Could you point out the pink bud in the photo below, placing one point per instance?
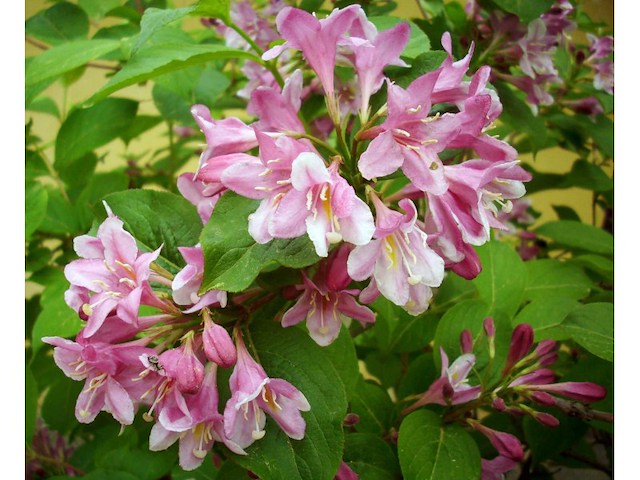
(351, 419)
(548, 359)
(545, 347)
(218, 346)
(543, 398)
(541, 376)
(547, 420)
(506, 444)
(499, 404)
(489, 327)
(345, 473)
(466, 341)
(183, 367)
(585, 392)
(334, 270)
(521, 342)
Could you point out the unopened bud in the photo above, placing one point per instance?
(543, 398)
(585, 392)
(506, 444)
(466, 341)
(218, 346)
(547, 420)
(499, 404)
(351, 419)
(521, 342)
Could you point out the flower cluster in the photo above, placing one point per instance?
(429, 139)
(306, 186)
(525, 377)
(166, 363)
(525, 55)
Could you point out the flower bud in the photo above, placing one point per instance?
(521, 342)
(466, 341)
(543, 398)
(345, 473)
(505, 443)
(489, 327)
(544, 347)
(547, 420)
(585, 392)
(218, 346)
(542, 376)
(182, 365)
(351, 419)
(499, 404)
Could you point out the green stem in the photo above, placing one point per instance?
(315, 140)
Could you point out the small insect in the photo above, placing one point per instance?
(154, 363)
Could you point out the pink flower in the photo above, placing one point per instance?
(453, 385)
(187, 282)
(322, 203)
(197, 424)
(317, 39)
(326, 303)
(204, 197)
(506, 444)
(218, 346)
(403, 266)
(267, 178)
(496, 468)
(277, 109)
(252, 394)
(345, 473)
(107, 371)
(114, 270)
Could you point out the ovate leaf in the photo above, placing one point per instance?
(370, 457)
(591, 326)
(503, 278)
(35, 208)
(60, 23)
(577, 235)
(87, 129)
(54, 62)
(555, 278)
(429, 450)
(525, 9)
(152, 61)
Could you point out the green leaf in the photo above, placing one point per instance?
(591, 326)
(154, 19)
(374, 407)
(35, 208)
(503, 278)
(206, 471)
(588, 176)
(453, 290)
(470, 315)
(595, 263)
(158, 218)
(153, 61)
(87, 129)
(142, 463)
(565, 213)
(399, 331)
(418, 40)
(602, 133)
(109, 474)
(311, 5)
(577, 235)
(555, 278)
(233, 259)
(420, 374)
(60, 59)
(140, 124)
(58, 407)
(430, 451)
(546, 315)
(544, 445)
(214, 8)
(290, 354)
(525, 9)
(31, 404)
(370, 457)
(342, 354)
(61, 216)
(60, 23)
(56, 318)
(88, 204)
(97, 9)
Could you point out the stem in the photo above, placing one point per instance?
(422, 10)
(36, 43)
(161, 271)
(58, 462)
(315, 140)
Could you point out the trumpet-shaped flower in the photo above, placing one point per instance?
(453, 385)
(323, 204)
(402, 264)
(326, 303)
(253, 394)
(114, 270)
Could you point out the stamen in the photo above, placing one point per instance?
(414, 109)
(265, 172)
(399, 131)
(126, 266)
